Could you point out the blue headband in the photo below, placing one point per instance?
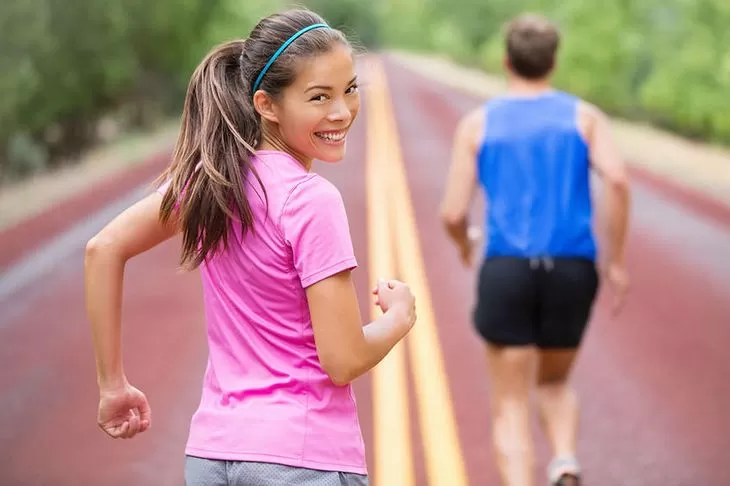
(281, 49)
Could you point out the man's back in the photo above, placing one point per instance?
(532, 151)
(533, 164)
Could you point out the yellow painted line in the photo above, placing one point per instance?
(393, 457)
(443, 456)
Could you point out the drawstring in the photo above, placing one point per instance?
(546, 261)
(549, 264)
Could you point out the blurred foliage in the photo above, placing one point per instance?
(662, 61)
(65, 65)
(356, 18)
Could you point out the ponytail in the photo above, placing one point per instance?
(211, 160)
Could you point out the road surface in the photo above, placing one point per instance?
(653, 382)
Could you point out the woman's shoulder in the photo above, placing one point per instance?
(315, 189)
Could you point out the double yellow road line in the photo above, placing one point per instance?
(395, 251)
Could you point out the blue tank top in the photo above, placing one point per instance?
(534, 168)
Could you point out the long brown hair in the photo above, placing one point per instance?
(220, 130)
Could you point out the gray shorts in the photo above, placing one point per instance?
(207, 472)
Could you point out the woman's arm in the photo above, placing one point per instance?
(134, 231)
(345, 347)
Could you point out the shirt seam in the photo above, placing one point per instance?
(284, 208)
(328, 268)
(268, 454)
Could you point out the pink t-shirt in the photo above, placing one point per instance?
(265, 395)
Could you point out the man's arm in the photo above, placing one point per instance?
(610, 167)
(461, 181)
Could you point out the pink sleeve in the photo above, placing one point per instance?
(314, 224)
(163, 187)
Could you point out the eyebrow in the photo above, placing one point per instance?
(328, 87)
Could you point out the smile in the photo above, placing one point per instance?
(334, 137)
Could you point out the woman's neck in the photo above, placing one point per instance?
(270, 142)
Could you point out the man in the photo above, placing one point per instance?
(531, 151)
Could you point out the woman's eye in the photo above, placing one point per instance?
(320, 97)
(352, 89)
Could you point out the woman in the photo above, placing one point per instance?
(272, 242)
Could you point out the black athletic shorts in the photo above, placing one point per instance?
(542, 302)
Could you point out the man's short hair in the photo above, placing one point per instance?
(532, 42)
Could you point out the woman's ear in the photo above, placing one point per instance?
(264, 106)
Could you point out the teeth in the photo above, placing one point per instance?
(332, 136)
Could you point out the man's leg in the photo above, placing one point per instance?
(568, 289)
(512, 373)
(559, 410)
(506, 319)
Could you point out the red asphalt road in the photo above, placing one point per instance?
(653, 386)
